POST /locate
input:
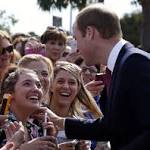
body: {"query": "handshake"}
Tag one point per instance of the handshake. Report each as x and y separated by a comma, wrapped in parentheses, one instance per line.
(58, 121)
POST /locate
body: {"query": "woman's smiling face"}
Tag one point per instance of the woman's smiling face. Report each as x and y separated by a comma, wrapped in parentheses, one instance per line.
(41, 68)
(64, 87)
(6, 57)
(28, 92)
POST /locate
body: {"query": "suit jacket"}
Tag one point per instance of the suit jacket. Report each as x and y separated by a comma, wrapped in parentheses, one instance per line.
(126, 122)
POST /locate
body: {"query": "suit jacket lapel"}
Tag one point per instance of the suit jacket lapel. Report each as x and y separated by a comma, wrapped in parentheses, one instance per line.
(116, 75)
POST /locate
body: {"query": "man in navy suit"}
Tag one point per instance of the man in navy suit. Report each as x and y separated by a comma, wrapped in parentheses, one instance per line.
(126, 122)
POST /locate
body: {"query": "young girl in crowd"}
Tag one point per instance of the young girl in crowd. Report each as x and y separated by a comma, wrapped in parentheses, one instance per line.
(25, 89)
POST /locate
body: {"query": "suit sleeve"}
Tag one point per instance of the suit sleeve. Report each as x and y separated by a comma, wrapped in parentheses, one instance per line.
(86, 129)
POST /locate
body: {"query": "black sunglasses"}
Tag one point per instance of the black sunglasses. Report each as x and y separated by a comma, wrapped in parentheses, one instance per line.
(55, 28)
(8, 49)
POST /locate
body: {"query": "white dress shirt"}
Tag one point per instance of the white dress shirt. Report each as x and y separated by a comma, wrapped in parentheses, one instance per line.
(114, 54)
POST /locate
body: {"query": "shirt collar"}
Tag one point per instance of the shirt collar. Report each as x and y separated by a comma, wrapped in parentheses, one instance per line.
(114, 54)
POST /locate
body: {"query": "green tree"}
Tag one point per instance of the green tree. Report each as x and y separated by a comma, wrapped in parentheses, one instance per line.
(46, 5)
(6, 21)
(131, 27)
(145, 36)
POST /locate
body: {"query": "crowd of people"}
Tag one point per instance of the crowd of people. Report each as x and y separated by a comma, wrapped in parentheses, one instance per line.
(86, 91)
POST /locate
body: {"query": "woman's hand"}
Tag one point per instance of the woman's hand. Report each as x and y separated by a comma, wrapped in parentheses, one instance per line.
(15, 133)
(40, 143)
(57, 120)
(8, 146)
(67, 145)
(95, 87)
(51, 129)
(10, 129)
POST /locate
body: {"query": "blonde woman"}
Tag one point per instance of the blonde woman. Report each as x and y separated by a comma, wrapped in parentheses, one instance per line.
(70, 98)
(6, 51)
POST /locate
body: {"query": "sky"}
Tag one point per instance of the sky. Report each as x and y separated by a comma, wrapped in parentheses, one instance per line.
(31, 18)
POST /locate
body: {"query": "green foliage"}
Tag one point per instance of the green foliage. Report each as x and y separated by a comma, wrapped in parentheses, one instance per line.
(46, 5)
(131, 27)
(136, 2)
(6, 21)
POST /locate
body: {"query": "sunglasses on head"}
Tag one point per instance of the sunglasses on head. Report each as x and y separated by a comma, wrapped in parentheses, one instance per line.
(6, 49)
(55, 28)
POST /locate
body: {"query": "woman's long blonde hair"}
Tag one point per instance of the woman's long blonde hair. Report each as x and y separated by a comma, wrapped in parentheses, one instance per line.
(84, 98)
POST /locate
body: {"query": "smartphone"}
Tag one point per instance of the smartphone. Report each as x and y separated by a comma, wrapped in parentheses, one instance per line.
(101, 77)
(45, 120)
(41, 51)
(5, 104)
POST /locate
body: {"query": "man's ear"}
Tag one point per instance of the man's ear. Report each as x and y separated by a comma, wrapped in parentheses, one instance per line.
(90, 32)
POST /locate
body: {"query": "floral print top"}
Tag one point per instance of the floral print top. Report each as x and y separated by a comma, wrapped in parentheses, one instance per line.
(33, 130)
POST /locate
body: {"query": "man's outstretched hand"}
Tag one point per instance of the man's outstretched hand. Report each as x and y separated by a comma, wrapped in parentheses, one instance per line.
(57, 120)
